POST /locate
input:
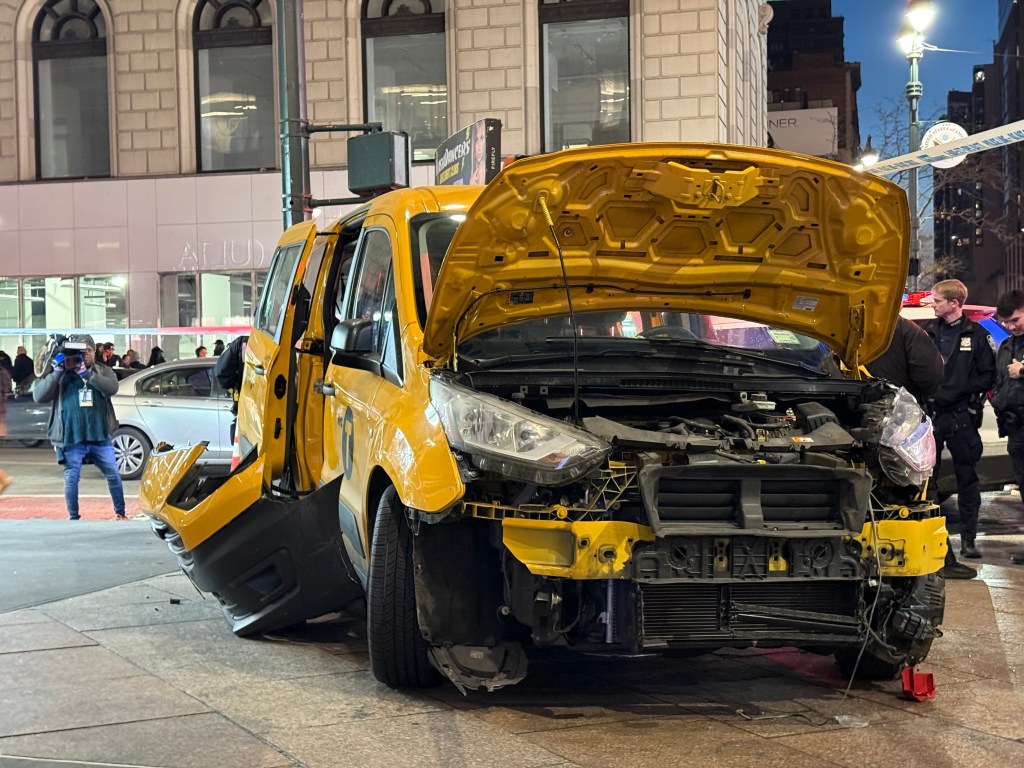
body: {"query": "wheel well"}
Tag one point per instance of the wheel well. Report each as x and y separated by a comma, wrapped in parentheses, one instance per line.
(379, 482)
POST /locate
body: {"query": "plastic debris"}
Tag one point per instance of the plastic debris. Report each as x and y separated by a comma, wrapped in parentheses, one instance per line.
(852, 721)
(918, 686)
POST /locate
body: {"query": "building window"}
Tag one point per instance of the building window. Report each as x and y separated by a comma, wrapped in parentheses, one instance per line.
(585, 66)
(69, 53)
(406, 82)
(234, 85)
(102, 302)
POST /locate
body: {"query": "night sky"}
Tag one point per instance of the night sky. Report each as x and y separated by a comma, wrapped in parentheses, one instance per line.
(872, 27)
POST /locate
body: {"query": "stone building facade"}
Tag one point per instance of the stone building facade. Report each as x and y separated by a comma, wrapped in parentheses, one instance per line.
(158, 221)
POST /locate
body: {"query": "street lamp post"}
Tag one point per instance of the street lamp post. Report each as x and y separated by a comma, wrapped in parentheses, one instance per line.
(918, 17)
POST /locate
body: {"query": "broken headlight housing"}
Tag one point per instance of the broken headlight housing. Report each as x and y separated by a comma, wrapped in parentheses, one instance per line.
(513, 441)
(907, 451)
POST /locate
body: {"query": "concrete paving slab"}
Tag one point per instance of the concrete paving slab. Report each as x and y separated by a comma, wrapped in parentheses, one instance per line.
(98, 702)
(39, 636)
(437, 739)
(199, 654)
(652, 742)
(61, 666)
(305, 702)
(918, 743)
(177, 742)
(130, 605)
(24, 616)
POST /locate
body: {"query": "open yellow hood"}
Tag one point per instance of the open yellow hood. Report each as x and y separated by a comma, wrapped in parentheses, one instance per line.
(788, 240)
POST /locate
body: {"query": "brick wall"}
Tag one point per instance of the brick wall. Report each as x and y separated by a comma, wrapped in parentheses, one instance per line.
(697, 74)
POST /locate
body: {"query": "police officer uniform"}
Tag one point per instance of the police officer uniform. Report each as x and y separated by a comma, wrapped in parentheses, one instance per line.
(970, 365)
(1008, 402)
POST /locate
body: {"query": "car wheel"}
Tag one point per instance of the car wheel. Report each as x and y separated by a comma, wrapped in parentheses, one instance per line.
(874, 663)
(31, 443)
(398, 652)
(131, 450)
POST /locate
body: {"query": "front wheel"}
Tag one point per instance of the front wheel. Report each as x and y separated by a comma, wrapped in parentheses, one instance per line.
(131, 450)
(918, 601)
(398, 652)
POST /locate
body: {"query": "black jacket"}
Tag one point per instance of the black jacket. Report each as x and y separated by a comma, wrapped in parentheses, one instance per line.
(1007, 393)
(231, 364)
(970, 370)
(911, 361)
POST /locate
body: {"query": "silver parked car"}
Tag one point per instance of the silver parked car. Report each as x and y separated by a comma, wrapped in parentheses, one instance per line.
(177, 403)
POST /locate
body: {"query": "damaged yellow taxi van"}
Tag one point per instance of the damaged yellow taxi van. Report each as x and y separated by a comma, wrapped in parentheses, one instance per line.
(608, 402)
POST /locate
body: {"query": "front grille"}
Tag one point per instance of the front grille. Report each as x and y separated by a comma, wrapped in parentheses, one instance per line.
(699, 614)
(755, 497)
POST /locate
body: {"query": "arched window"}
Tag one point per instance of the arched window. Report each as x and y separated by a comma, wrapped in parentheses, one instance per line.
(69, 51)
(234, 85)
(585, 70)
(406, 83)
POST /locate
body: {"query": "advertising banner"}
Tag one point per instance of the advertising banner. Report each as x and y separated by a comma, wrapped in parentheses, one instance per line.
(810, 131)
(471, 155)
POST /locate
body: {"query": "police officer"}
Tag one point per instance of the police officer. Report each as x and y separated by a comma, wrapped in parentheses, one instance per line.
(1008, 392)
(969, 356)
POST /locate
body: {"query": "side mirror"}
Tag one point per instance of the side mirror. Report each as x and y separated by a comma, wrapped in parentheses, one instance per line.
(352, 337)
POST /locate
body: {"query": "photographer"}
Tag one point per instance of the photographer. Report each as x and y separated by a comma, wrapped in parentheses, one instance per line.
(82, 419)
(1008, 393)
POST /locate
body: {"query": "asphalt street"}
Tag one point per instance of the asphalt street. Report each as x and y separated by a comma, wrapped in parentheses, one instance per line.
(45, 557)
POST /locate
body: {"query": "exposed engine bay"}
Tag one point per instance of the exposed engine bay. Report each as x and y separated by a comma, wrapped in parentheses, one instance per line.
(729, 517)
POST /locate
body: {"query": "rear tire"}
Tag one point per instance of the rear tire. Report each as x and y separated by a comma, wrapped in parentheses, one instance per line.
(398, 652)
(131, 452)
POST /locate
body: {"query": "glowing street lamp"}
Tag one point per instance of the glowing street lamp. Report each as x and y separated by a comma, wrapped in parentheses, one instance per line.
(918, 18)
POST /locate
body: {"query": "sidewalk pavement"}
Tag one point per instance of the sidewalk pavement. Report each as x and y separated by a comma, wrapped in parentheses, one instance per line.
(148, 674)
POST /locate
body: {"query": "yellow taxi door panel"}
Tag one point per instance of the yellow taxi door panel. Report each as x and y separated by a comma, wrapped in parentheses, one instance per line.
(350, 425)
(264, 417)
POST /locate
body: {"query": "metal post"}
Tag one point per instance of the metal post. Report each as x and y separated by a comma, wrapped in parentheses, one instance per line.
(914, 91)
(291, 95)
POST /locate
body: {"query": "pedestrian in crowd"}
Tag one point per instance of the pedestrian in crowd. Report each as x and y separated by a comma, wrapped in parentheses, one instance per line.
(82, 420)
(969, 373)
(229, 371)
(130, 358)
(1008, 392)
(6, 388)
(200, 351)
(7, 364)
(912, 361)
(109, 358)
(24, 372)
(156, 356)
(218, 347)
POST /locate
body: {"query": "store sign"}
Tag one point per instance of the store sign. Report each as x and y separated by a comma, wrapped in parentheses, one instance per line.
(472, 155)
(810, 131)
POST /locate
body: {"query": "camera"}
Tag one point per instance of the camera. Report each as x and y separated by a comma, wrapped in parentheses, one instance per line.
(74, 355)
(72, 348)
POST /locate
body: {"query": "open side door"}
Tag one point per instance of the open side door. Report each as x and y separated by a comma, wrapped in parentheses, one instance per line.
(266, 408)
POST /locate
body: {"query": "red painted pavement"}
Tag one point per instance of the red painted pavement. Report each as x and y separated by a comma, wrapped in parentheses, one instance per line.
(13, 507)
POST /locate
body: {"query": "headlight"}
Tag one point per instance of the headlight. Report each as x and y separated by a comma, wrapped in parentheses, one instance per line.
(908, 445)
(511, 440)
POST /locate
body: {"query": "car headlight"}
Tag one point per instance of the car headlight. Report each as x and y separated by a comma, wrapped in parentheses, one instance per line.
(512, 440)
(908, 445)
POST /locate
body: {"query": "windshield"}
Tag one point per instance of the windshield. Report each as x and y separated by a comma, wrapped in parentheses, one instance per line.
(632, 332)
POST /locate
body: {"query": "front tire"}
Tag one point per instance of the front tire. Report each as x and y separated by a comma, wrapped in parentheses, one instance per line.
(398, 652)
(928, 596)
(131, 451)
